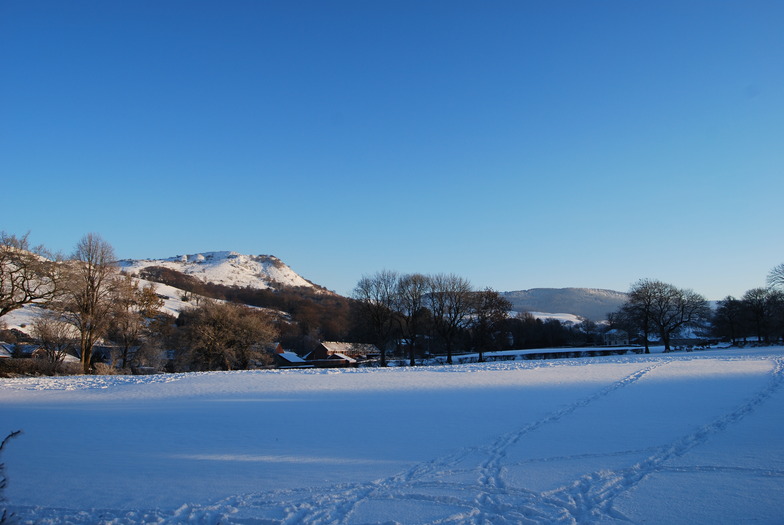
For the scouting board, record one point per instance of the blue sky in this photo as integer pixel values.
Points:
(517, 144)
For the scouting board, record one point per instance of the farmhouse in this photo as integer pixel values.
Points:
(339, 354)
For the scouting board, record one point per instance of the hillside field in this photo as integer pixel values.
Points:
(660, 438)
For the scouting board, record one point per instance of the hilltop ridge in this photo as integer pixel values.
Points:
(227, 268)
(590, 303)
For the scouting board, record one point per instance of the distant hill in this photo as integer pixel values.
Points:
(261, 281)
(590, 303)
(224, 268)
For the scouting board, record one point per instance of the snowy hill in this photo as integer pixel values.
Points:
(226, 268)
(590, 303)
(221, 268)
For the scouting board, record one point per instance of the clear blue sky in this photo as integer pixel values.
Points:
(518, 144)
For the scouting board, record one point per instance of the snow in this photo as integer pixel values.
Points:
(344, 357)
(660, 438)
(226, 268)
(561, 317)
(291, 357)
(22, 318)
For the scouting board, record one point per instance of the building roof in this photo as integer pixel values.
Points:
(291, 357)
(349, 349)
(344, 357)
(26, 349)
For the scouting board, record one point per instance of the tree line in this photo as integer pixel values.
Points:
(659, 310)
(417, 316)
(758, 315)
(443, 312)
(87, 302)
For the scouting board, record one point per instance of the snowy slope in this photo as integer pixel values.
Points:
(660, 438)
(226, 268)
(173, 303)
(563, 318)
(590, 303)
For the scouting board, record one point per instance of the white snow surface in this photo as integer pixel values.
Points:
(562, 317)
(660, 438)
(226, 268)
(22, 318)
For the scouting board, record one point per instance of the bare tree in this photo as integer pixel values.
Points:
(375, 295)
(254, 330)
(731, 319)
(226, 336)
(764, 309)
(409, 303)
(682, 308)
(776, 276)
(55, 335)
(160, 334)
(449, 299)
(665, 309)
(133, 308)
(27, 274)
(89, 291)
(636, 312)
(5, 517)
(488, 311)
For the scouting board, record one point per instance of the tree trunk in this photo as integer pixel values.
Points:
(125, 356)
(666, 341)
(87, 356)
(86, 345)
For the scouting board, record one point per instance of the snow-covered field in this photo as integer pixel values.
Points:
(665, 438)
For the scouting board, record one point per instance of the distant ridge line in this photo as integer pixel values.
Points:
(590, 303)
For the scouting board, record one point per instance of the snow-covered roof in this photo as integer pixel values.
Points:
(334, 347)
(291, 357)
(344, 357)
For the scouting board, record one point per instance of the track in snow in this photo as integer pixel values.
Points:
(468, 486)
